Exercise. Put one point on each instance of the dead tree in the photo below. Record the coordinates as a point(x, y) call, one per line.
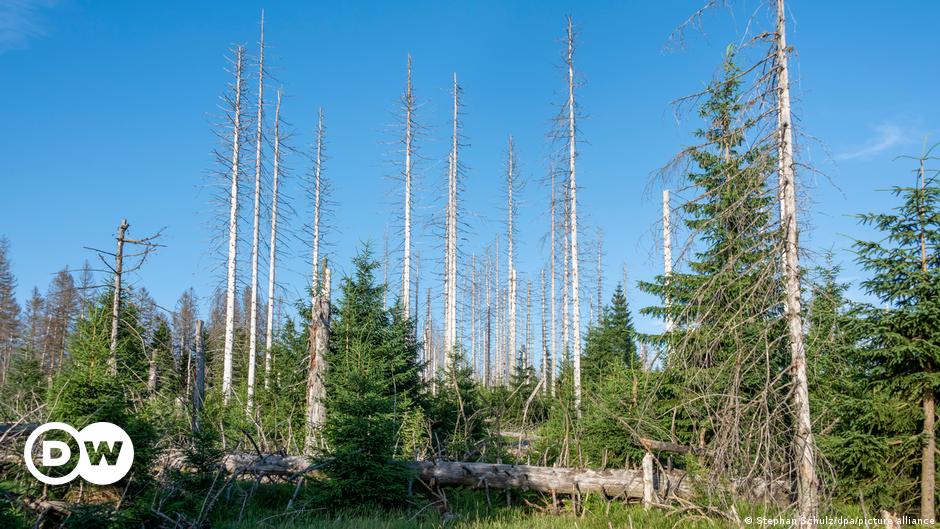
point(667, 250)
point(408, 104)
point(199, 385)
point(804, 444)
point(544, 342)
point(235, 115)
point(272, 245)
point(573, 225)
point(511, 265)
point(600, 278)
point(147, 246)
point(319, 188)
point(450, 257)
point(255, 230)
point(317, 347)
point(554, 350)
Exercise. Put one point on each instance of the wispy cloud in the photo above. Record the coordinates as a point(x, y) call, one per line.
point(20, 21)
point(887, 135)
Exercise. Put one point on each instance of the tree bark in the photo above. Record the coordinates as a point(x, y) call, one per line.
point(406, 258)
point(554, 350)
point(318, 345)
point(804, 445)
point(232, 233)
point(573, 228)
point(255, 231)
point(199, 385)
point(272, 247)
point(116, 297)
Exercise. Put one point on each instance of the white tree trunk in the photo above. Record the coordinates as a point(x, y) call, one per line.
point(232, 234)
point(554, 349)
point(573, 227)
point(804, 445)
point(316, 374)
point(511, 263)
point(317, 203)
point(116, 297)
point(272, 249)
point(544, 341)
point(255, 229)
point(406, 258)
point(667, 252)
point(199, 382)
point(450, 321)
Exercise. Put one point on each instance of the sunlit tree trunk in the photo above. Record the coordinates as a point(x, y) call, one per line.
point(272, 249)
point(804, 445)
point(255, 231)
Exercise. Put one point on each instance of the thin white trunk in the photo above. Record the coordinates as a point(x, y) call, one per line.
point(487, 333)
point(450, 334)
point(667, 252)
point(272, 250)
point(544, 341)
point(554, 348)
point(199, 382)
point(255, 230)
point(406, 258)
point(232, 234)
point(804, 445)
point(573, 227)
point(317, 202)
point(511, 262)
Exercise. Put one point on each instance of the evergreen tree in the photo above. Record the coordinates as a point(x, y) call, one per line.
point(9, 311)
point(371, 385)
point(727, 348)
point(611, 344)
point(904, 354)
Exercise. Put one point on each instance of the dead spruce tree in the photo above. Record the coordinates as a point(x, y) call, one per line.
point(570, 134)
point(511, 265)
point(233, 113)
point(319, 343)
point(319, 193)
point(408, 108)
point(272, 244)
point(255, 230)
point(451, 226)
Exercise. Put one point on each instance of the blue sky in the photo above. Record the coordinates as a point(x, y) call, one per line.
point(108, 107)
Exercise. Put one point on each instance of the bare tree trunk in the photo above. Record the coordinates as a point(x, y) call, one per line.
point(600, 278)
point(554, 349)
point(406, 259)
point(450, 322)
point(928, 467)
point(255, 231)
point(511, 262)
point(497, 293)
point(805, 447)
point(667, 252)
point(430, 356)
point(544, 341)
point(573, 227)
point(116, 297)
point(529, 359)
point(199, 384)
point(272, 250)
point(316, 375)
point(487, 333)
point(317, 202)
point(232, 234)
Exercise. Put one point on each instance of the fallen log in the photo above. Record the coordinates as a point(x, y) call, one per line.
point(613, 483)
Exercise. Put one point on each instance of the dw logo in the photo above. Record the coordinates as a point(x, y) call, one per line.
point(105, 453)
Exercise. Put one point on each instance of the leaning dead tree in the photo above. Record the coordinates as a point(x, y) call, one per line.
point(317, 347)
point(255, 230)
point(233, 103)
point(119, 267)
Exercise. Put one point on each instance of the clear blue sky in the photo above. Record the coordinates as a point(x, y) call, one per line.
point(107, 109)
